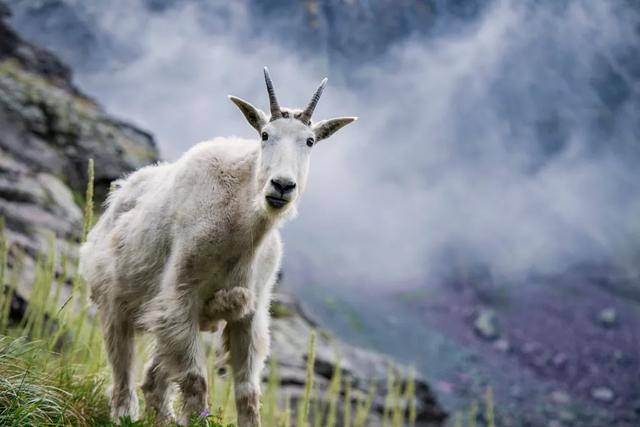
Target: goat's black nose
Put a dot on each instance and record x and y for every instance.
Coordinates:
(283, 185)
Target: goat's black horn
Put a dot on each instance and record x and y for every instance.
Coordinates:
(273, 101)
(305, 116)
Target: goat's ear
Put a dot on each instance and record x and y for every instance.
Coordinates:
(325, 128)
(254, 116)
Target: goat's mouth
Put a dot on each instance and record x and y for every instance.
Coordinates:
(276, 202)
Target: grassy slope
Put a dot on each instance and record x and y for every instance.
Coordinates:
(53, 368)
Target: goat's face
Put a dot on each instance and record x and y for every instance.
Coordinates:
(287, 139)
(286, 146)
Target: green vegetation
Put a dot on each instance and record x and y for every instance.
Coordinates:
(472, 416)
(279, 310)
(53, 368)
(88, 207)
(303, 408)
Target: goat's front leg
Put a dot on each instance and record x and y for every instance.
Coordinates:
(174, 320)
(247, 340)
(180, 353)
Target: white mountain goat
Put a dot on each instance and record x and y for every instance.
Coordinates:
(184, 244)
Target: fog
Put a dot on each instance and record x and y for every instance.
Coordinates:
(510, 146)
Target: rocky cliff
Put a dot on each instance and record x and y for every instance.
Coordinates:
(49, 130)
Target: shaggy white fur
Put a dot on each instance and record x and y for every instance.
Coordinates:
(183, 245)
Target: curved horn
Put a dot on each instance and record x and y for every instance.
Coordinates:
(273, 101)
(306, 114)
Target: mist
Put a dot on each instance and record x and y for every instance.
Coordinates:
(511, 145)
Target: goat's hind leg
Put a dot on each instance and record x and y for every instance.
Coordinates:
(119, 337)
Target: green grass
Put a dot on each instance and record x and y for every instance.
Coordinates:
(53, 368)
(473, 412)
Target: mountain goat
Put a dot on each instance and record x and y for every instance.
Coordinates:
(181, 245)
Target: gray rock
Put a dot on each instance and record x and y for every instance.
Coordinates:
(502, 345)
(560, 360)
(567, 416)
(560, 397)
(59, 198)
(603, 394)
(486, 325)
(622, 358)
(608, 317)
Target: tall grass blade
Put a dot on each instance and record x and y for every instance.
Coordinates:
(5, 293)
(363, 411)
(473, 414)
(287, 412)
(457, 421)
(227, 396)
(334, 394)
(346, 416)
(388, 401)
(398, 406)
(489, 411)
(88, 207)
(317, 410)
(269, 411)
(13, 285)
(410, 397)
(303, 413)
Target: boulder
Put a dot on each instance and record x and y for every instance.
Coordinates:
(486, 325)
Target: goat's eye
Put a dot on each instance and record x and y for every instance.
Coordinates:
(265, 136)
(310, 142)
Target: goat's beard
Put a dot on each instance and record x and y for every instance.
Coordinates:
(286, 213)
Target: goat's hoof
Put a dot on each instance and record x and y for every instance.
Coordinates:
(248, 407)
(184, 419)
(168, 419)
(123, 405)
(126, 411)
(160, 417)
